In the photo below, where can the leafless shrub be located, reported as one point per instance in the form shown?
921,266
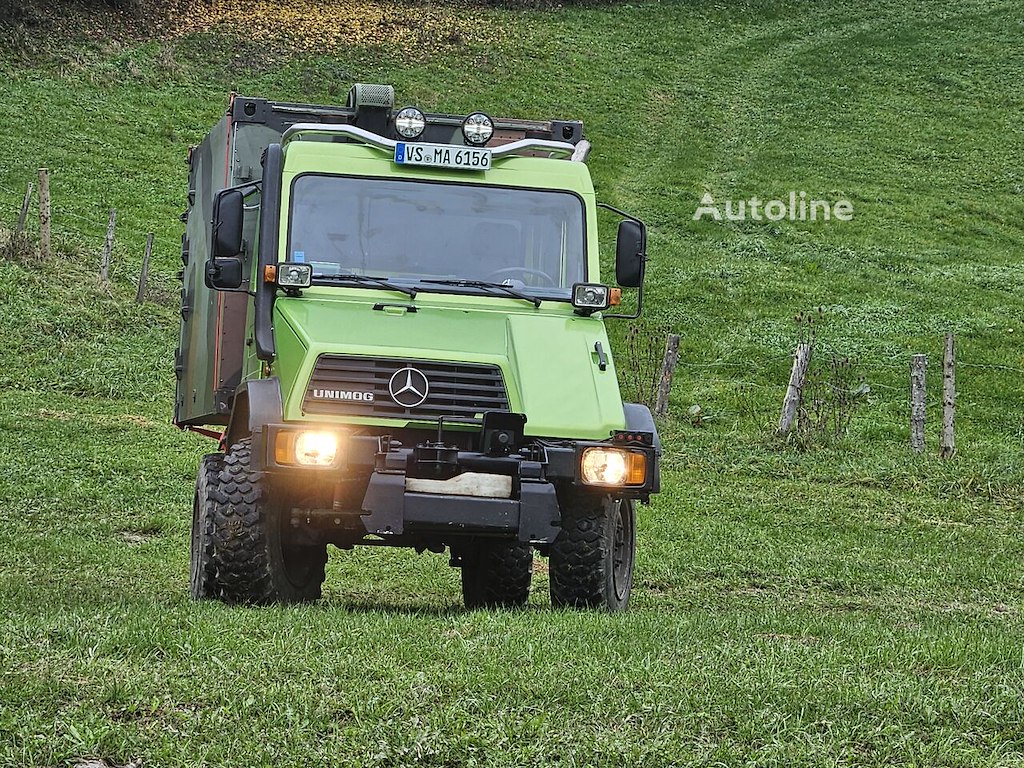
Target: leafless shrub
832,393
640,367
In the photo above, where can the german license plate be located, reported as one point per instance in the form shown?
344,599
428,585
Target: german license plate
443,156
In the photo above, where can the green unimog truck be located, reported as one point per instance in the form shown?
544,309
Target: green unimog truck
393,321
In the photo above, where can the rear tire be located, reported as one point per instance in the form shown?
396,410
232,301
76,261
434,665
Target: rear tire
497,574
246,552
202,570
591,561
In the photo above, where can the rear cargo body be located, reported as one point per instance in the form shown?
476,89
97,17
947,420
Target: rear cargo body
209,358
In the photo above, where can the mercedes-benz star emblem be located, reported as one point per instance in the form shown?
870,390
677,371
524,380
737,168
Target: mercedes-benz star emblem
408,387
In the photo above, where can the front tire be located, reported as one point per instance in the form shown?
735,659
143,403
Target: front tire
591,561
246,552
497,574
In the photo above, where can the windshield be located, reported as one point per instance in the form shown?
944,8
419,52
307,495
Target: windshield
412,231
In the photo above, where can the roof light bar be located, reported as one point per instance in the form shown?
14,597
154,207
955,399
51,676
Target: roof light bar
301,131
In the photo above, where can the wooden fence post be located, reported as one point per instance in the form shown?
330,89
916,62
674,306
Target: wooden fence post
44,213
918,367
23,216
108,247
948,445
668,368
797,380
144,274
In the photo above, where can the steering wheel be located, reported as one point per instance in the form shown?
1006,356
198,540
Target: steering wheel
550,281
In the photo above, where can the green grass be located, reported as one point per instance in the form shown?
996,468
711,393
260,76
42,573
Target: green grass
852,604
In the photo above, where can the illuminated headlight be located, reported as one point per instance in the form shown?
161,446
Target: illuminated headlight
316,449
311,448
478,129
613,466
294,275
590,296
410,122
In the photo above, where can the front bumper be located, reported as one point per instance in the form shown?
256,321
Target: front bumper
390,509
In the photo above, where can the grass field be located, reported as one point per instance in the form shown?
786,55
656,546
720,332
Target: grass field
844,603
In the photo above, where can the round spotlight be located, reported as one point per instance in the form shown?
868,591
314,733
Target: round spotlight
410,122
478,129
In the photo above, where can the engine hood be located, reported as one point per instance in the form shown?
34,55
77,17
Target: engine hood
547,357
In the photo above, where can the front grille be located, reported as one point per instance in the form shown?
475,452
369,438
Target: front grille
460,392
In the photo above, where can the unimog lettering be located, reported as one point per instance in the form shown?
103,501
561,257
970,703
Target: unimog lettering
451,265
343,394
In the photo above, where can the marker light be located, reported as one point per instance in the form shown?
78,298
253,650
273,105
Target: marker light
478,129
294,275
590,297
613,466
309,448
410,123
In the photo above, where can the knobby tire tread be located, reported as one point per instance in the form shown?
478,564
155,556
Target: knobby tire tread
239,538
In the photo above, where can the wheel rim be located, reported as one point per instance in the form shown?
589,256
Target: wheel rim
622,553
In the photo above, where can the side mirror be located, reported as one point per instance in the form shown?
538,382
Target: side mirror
630,253
223,273
228,212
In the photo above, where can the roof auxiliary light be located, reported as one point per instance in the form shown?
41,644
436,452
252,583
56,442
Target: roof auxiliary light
410,122
478,129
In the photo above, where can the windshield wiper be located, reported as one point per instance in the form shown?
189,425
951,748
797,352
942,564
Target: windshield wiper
381,281
484,284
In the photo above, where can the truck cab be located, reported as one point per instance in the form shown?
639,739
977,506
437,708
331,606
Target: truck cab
396,321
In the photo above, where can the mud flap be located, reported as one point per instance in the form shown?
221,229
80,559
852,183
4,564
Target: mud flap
385,504
539,518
